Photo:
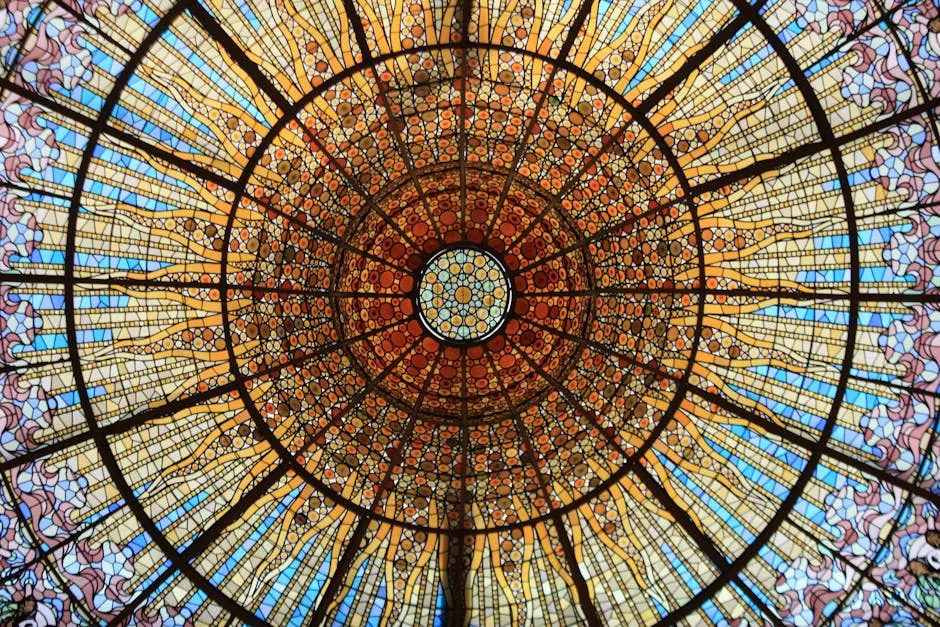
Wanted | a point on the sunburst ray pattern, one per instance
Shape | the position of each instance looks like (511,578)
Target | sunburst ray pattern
(704,394)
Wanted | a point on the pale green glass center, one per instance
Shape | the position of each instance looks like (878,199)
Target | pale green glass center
(463,294)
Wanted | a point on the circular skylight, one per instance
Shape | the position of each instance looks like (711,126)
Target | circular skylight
(463,294)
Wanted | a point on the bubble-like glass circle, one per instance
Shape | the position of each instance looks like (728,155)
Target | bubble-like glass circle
(463,295)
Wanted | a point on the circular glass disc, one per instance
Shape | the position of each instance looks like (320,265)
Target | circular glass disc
(463,295)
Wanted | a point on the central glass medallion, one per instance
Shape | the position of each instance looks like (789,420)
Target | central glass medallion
(464,294)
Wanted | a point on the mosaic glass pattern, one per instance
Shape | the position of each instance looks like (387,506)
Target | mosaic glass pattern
(713,399)
(463,294)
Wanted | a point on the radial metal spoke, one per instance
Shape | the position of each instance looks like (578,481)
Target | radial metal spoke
(359,397)
(808,444)
(207,537)
(326,236)
(584,593)
(352,548)
(234,50)
(523,146)
(360,189)
(464,76)
(60,279)
(30,190)
(338,578)
(752,417)
(395,124)
(532,458)
(640,290)
(904,208)
(691,64)
(457,562)
(631,218)
(187,402)
(778,294)
(323,234)
(590,416)
(694,61)
(898,387)
(156,284)
(704,543)
(761,167)
(128,138)
(565,189)
(756,169)
(21,365)
(214,532)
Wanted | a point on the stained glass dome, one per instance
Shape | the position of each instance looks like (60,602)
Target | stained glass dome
(469,312)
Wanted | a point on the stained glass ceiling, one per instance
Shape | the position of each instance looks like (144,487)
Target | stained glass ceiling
(469,312)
